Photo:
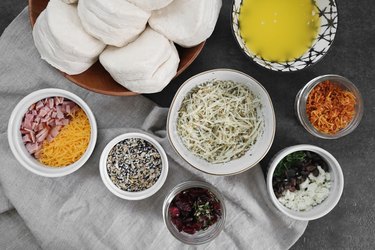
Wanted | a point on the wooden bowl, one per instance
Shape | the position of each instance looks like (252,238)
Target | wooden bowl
(96,78)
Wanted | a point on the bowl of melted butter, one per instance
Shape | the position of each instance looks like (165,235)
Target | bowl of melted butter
(286,35)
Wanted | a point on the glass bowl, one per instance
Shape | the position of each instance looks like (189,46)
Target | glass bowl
(199,237)
(301,99)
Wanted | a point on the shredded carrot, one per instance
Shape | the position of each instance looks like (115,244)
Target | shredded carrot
(330,108)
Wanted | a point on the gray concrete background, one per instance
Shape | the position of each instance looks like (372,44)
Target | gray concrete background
(351,225)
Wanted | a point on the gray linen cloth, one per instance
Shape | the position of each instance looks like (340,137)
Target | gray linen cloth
(77,211)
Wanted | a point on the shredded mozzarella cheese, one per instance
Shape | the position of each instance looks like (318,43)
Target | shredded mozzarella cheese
(219,120)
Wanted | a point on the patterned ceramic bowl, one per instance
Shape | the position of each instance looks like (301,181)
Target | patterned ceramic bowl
(328,26)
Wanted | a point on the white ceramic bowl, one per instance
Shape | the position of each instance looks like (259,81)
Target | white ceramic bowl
(15,138)
(133,195)
(328,27)
(256,152)
(337,183)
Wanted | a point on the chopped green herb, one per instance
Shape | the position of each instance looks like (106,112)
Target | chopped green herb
(288,162)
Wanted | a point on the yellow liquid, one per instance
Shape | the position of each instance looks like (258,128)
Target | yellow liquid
(279,30)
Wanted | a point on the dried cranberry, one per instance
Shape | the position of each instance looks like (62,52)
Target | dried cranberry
(216,205)
(183,205)
(178,223)
(197,226)
(174,212)
(189,230)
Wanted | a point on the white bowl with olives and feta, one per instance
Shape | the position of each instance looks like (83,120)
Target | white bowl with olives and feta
(305,182)
(133,166)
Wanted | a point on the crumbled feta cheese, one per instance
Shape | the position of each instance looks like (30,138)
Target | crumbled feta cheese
(313,191)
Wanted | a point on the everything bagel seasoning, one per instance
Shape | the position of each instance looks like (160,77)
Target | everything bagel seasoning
(134,165)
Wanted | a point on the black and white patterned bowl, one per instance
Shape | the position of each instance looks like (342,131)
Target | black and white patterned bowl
(328,26)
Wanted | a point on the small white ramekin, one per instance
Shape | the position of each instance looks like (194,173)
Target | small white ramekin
(15,138)
(337,183)
(133,195)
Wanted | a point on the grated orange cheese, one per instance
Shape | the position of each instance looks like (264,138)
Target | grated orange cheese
(70,144)
(330,108)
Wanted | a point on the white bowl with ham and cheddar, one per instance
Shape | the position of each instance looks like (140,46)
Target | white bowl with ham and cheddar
(28,129)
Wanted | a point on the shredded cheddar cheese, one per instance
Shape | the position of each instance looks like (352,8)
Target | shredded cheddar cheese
(70,144)
(330,108)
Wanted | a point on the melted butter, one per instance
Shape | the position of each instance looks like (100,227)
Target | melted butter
(279,30)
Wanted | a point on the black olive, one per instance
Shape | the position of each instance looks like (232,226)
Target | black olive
(291,173)
(316,172)
(310,168)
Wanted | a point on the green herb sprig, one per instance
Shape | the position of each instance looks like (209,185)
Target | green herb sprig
(289,161)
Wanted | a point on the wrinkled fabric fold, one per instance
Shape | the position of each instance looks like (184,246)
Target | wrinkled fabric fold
(77,211)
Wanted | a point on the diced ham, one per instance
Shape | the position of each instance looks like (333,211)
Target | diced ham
(51,102)
(65,121)
(27,123)
(58,122)
(32,147)
(32,107)
(39,105)
(59,100)
(40,126)
(32,136)
(34,126)
(44,120)
(42,135)
(74,110)
(60,114)
(54,131)
(26,138)
(67,109)
(42,113)
(37,154)
(49,138)
(51,123)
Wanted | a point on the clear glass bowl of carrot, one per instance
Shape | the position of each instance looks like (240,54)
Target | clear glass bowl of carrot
(329,106)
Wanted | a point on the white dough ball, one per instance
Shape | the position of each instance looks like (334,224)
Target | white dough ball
(146,65)
(114,22)
(187,22)
(151,4)
(62,41)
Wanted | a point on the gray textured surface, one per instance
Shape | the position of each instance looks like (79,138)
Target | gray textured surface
(351,225)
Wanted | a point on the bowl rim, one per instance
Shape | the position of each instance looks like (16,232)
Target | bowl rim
(304,93)
(271,68)
(301,147)
(207,72)
(18,112)
(126,194)
(187,185)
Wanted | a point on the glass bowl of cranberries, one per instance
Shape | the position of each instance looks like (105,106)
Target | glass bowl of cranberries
(194,212)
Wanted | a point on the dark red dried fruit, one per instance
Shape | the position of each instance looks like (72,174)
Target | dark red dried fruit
(194,209)
(189,230)
(174,212)
(178,223)
(184,205)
